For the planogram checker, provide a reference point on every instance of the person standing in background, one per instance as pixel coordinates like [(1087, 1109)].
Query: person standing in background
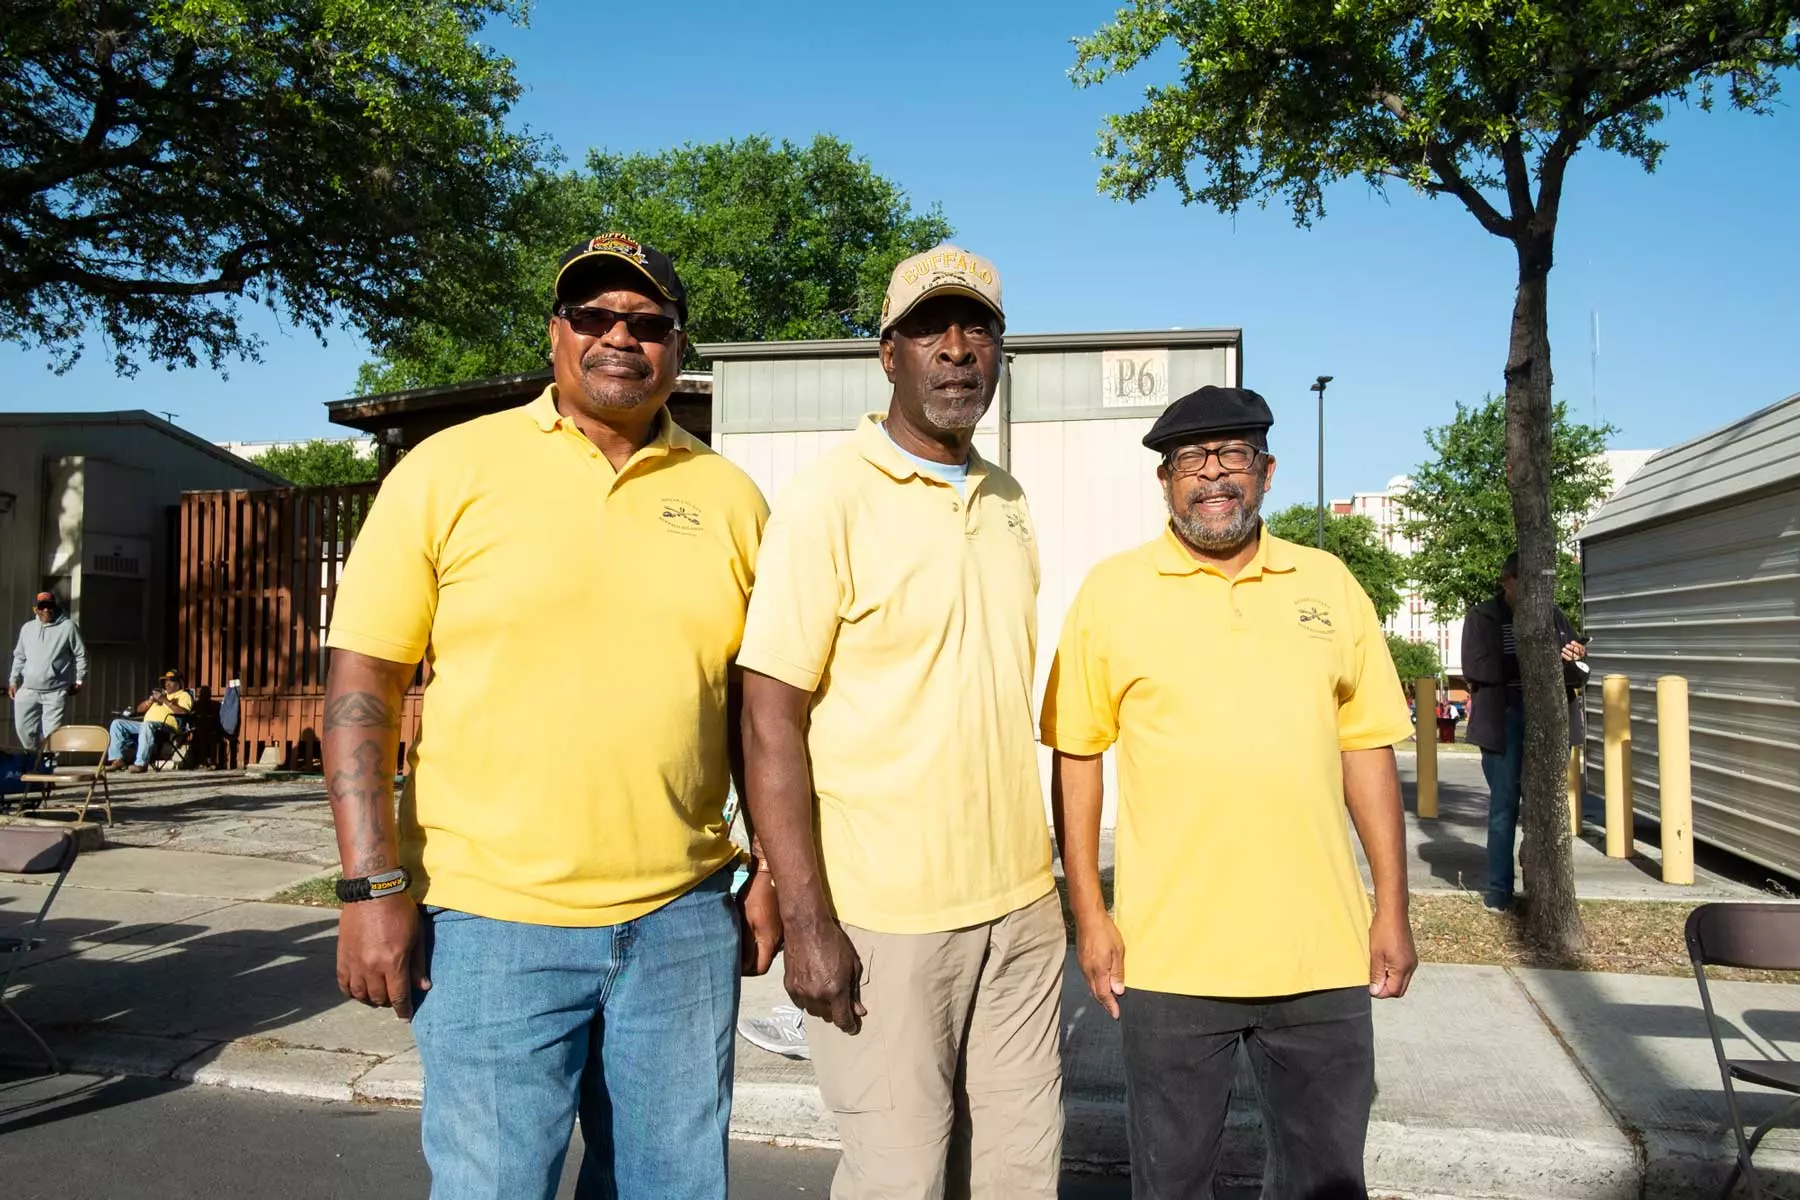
[(1497, 716), (49, 664)]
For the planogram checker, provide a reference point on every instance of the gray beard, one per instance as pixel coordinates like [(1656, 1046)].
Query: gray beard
[(1236, 533)]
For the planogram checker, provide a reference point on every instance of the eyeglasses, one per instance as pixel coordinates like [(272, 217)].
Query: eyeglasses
[(590, 321), (1233, 457)]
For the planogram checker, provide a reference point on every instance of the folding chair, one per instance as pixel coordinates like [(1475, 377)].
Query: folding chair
[(32, 850), (1759, 937), (76, 739)]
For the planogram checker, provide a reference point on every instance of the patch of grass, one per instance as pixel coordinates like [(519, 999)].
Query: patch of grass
[(314, 893), (1634, 937)]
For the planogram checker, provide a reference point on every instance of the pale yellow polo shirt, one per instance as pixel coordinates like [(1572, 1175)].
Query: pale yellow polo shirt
[(910, 613), (580, 623), (1230, 701)]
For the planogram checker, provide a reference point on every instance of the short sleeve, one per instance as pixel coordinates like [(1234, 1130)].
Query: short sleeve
[(792, 623), (1081, 710), (388, 595), (1372, 708)]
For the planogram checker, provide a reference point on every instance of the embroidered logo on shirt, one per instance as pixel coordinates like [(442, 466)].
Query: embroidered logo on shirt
[(1315, 616), (1020, 527), (680, 516)]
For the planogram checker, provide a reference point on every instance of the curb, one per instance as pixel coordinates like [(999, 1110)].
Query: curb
[(1403, 1160)]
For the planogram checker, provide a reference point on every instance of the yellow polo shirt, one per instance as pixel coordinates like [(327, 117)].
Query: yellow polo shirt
[(910, 613), (163, 714), (1230, 701), (579, 623)]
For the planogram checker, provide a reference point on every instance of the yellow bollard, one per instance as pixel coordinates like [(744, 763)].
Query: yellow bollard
[(1576, 790), (1617, 700), (1425, 735), (1674, 773)]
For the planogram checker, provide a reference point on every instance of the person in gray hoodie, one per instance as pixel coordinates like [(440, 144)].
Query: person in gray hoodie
[(49, 664)]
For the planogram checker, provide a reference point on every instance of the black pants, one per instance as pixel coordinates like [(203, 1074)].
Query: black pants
[(1313, 1056)]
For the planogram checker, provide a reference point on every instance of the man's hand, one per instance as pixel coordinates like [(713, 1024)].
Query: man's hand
[(380, 953), (822, 974), (1573, 651), (762, 924), (1392, 958), (75, 688), (1101, 952), (12, 691)]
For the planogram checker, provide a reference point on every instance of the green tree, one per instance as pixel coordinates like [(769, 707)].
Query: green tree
[(163, 162), (1459, 514), (773, 241), (319, 463), (1486, 102), (1414, 660), (1356, 542)]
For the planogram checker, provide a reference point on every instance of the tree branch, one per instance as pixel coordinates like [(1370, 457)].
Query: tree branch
[(1441, 160), (1518, 179), (232, 274)]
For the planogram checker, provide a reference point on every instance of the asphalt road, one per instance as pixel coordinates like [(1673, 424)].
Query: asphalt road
[(78, 1137)]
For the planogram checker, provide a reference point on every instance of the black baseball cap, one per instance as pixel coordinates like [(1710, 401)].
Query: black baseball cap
[(1210, 410), (581, 259)]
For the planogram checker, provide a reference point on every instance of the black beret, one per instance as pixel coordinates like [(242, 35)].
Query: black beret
[(1207, 411)]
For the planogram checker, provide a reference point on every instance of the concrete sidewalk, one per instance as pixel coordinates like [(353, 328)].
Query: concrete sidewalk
[(1491, 1082)]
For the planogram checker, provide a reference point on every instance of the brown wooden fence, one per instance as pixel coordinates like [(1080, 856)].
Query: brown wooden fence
[(257, 577)]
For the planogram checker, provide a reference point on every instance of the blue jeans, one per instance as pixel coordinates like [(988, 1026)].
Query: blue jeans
[(1502, 771), (125, 733), (630, 1023)]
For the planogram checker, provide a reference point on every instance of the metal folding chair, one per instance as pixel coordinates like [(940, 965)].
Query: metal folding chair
[(1758, 937), (31, 850), (88, 740)]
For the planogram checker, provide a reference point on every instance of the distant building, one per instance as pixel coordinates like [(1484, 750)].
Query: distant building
[(363, 447), (1414, 620)]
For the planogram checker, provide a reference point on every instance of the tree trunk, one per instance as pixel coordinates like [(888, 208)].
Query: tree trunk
[(1553, 920)]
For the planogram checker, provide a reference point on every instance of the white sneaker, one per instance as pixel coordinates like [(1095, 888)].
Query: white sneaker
[(782, 1032)]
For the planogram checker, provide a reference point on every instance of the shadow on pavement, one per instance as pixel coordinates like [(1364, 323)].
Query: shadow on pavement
[(149, 996)]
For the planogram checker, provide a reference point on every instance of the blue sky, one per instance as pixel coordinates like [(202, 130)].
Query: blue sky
[(1695, 271)]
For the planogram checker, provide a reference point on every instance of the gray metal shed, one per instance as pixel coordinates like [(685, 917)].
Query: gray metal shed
[(86, 504), (1693, 569)]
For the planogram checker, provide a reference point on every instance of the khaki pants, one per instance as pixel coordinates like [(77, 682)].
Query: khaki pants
[(953, 1088)]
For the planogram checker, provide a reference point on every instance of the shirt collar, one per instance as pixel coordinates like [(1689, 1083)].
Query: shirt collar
[(669, 436), (1273, 556), (873, 443)]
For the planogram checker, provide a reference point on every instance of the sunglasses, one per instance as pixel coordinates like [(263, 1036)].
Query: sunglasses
[(590, 321)]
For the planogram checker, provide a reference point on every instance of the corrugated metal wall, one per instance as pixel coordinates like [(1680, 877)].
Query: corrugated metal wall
[(1712, 594)]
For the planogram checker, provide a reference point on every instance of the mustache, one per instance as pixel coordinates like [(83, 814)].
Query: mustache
[(969, 377), (612, 358), (1214, 491)]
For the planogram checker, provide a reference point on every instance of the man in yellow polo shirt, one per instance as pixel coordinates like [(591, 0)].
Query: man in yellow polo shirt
[(1247, 685), (575, 574), (887, 697)]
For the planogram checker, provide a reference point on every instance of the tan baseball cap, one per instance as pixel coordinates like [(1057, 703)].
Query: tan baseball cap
[(943, 270)]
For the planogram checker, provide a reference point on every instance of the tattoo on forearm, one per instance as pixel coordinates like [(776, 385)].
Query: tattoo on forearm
[(361, 710), (362, 796)]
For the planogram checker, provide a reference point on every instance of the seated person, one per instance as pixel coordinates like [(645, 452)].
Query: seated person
[(161, 709)]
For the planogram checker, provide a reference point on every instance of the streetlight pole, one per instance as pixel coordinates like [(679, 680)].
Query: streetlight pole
[(1319, 387)]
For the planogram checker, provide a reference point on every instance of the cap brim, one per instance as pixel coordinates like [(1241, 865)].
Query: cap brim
[(947, 289), (588, 259)]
